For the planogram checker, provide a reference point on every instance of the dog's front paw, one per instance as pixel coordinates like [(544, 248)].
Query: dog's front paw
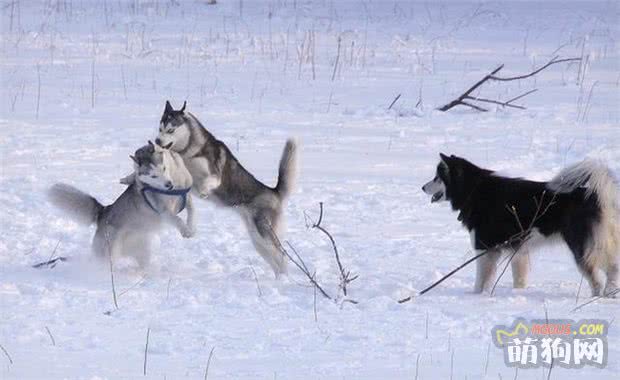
[(188, 232)]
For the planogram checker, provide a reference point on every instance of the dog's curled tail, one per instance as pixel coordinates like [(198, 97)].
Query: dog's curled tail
[(598, 179), (287, 174), (81, 206), (595, 176)]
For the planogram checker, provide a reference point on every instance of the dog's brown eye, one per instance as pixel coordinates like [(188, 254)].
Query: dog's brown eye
[(170, 131)]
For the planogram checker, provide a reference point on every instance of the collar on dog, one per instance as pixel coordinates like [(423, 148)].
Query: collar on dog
[(176, 193)]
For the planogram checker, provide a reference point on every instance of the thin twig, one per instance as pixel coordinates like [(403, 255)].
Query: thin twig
[(417, 366), (209, 363), (140, 281), (345, 276), (337, 59), (525, 234), (553, 61), (260, 292), (51, 336), (394, 102), (6, 353), (54, 251), (610, 294), (579, 290), (146, 348), (107, 239), (299, 263)]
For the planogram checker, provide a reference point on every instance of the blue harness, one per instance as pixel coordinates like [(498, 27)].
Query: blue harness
[(177, 193)]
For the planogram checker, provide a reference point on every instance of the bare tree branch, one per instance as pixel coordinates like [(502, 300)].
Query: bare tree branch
[(345, 276), (459, 100), (462, 99)]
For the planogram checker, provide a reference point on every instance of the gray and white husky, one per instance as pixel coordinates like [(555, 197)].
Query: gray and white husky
[(158, 190), (218, 176)]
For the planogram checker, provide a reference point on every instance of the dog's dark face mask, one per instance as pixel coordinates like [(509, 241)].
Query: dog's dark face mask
[(437, 187), (173, 130)]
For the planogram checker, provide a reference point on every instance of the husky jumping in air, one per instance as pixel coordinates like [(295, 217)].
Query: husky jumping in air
[(580, 206), (158, 191), (218, 176)]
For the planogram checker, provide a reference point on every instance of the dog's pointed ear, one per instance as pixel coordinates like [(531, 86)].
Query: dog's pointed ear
[(444, 158), (133, 158), (183, 108), (168, 107)]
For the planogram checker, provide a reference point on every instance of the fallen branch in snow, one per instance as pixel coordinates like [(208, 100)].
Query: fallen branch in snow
[(50, 263), (345, 276), (466, 98), (514, 243), (406, 299)]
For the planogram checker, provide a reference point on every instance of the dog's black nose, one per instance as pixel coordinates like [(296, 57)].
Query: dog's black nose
[(158, 141)]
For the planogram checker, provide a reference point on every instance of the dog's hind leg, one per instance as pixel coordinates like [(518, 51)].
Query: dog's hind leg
[(611, 285), (265, 240), (594, 279), (485, 270), (587, 263), (520, 266)]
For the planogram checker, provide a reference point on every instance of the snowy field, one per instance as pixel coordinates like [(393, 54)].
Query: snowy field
[(84, 84)]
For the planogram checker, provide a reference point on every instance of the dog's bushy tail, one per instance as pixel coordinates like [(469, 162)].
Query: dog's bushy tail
[(597, 178), (79, 205), (287, 174)]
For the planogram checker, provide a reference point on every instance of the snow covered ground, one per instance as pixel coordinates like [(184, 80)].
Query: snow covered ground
[(84, 84)]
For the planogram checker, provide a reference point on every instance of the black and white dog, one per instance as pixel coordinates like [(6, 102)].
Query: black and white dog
[(580, 206)]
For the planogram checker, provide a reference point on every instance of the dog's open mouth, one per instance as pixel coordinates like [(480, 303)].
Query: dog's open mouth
[(167, 146), (437, 196)]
